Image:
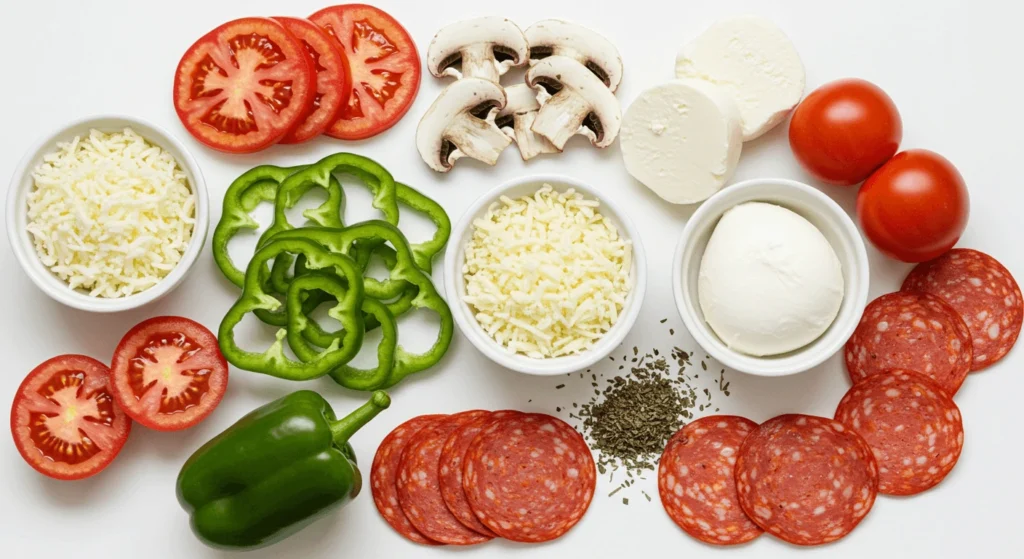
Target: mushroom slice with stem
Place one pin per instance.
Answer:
(461, 123)
(573, 101)
(516, 119)
(554, 37)
(484, 47)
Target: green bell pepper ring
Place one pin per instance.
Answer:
(273, 361)
(330, 213)
(259, 184)
(423, 252)
(370, 379)
(397, 307)
(404, 270)
(299, 327)
(381, 290)
(327, 214)
(298, 321)
(274, 471)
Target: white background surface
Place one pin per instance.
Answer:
(953, 70)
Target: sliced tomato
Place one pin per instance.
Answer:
(244, 85)
(168, 373)
(64, 419)
(333, 80)
(385, 68)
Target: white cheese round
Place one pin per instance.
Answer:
(769, 281)
(682, 139)
(753, 61)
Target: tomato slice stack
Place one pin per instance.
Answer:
(349, 71)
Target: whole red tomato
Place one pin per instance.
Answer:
(844, 130)
(915, 207)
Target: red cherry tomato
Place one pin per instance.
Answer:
(64, 420)
(844, 130)
(168, 373)
(244, 85)
(915, 207)
(385, 68)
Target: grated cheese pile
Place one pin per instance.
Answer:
(547, 275)
(110, 213)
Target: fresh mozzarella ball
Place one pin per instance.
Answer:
(769, 281)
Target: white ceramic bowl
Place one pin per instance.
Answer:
(17, 209)
(834, 224)
(455, 285)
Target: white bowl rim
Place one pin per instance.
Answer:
(25, 252)
(801, 359)
(518, 362)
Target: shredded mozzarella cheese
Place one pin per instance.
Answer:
(111, 214)
(547, 275)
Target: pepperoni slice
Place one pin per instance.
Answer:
(911, 330)
(384, 472)
(807, 480)
(529, 477)
(419, 488)
(697, 484)
(983, 292)
(913, 427)
(450, 470)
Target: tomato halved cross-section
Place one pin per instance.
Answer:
(168, 373)
(385, 68)
(333, 80)
(244, 85)
(64, 419)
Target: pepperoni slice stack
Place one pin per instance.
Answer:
(466, 478)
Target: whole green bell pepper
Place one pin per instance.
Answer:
(274, 471)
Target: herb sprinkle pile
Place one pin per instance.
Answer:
(630, 419)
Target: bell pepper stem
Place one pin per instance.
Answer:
(343, 429)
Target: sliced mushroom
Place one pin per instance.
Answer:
(554, 37)
(461, 123)
(573, 101)
(516, 119)
(485, 47)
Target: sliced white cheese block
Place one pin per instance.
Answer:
(769, 281)
(682, 139)
(753, 60)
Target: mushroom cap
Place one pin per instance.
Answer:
(590, 48)
(494, 32)
(573, 78)
(459, 100)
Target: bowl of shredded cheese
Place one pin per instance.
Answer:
(108, 213)
(544, 276)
